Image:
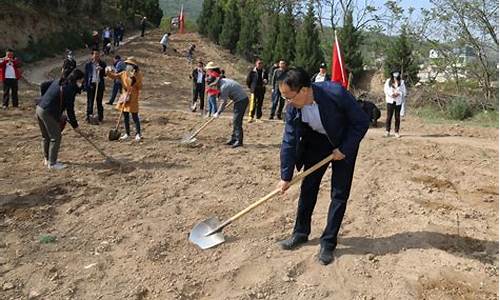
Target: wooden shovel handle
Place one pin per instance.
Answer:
(93, 144)
(206, 124)
(296, 179)
(119, 117)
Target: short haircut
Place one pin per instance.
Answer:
(10, 50)
(117, 57)
(295, 79)
(95, 50)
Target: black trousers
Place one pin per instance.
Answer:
(90, 101)
(239, 112)
(316, 148)
(199, 92)
(137, 122)
(10, 87)
(256, 102)
(392, 108)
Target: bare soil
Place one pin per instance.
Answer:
(422, 219)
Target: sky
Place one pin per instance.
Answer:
(407, 3)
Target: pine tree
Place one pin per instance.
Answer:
(249, 34)
(269, 54)
(231, 31)
(350, 40)
(204, 17)
(308, 49)
(400, 58)
(216, 22)
(285, 44)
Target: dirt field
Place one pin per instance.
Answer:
(422, 220)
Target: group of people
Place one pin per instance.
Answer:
(56, 106)
(111, 38)
(321, 118)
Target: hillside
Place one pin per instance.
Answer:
(421, 221)
(192, 8)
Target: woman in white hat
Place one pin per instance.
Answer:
(395, 91)
(131, 80)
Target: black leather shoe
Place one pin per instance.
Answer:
(230, 142)
(236, 145)
(325, 256)
(293, 242)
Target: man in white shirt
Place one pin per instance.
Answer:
(198, 77)
(10, 73)
(322, 75)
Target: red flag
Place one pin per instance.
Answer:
(339, 73)
(181, 20)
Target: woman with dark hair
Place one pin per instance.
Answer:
(128, 103)
(56, 98)
(395, 91)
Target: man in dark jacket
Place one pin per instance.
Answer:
(10, 73)
(198, 78)
(278, 102)
(143, 26)
(119, 65)
(94, 79)
(321, 75)
(256, 81)
(321, 119)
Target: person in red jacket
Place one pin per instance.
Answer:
(10, 73)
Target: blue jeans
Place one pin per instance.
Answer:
(117, 86)
(212, 104)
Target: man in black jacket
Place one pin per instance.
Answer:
(256, 81)
(94, 80)
(198, 77)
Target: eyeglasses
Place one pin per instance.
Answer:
(291, 98)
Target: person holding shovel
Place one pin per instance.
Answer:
(128, 103)
(321, 119)
(57, 97)
(230, 89)
(94, 85)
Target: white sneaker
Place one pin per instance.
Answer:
(45, 162)
(124, 137)
(193, 107)
(57, 166)
(387, 134)
(138, 137)
(397, 135)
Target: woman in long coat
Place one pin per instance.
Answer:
(131, 80)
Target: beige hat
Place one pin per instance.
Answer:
(211, 65)
(131, 60)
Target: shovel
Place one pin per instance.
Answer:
(191, 137)
(114, 134)
(107, 158)
(208, 233)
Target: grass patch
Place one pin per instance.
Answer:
(433, 115)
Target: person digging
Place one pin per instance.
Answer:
(131, 80)
(230, 89)
(321, 118)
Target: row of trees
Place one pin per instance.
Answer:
(291, 30)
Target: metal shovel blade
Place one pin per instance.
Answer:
(199, 235)
(114, 135)
(188, 139)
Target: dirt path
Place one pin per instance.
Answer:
(422, 219)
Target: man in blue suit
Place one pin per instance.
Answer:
(321, 118)
(94, 82)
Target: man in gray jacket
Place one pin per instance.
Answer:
(278, 102)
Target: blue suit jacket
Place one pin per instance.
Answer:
(88, 75)
(344, 122)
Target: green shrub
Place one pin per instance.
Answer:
(459, 109)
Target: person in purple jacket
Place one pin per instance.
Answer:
(321, 118)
